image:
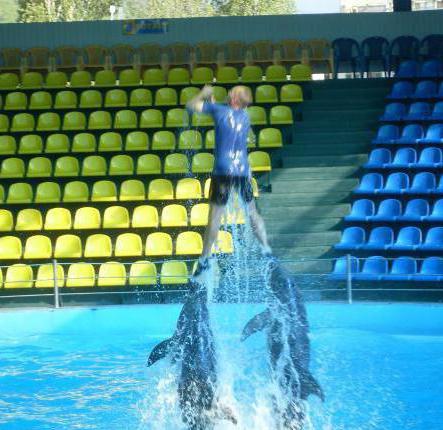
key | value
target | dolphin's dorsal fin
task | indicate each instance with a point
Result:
(258, 323)
(311, 386)
(160, 351)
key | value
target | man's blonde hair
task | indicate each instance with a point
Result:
(240, 95)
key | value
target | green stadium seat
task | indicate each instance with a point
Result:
(66, 166)
(74, 121)
(48, 192)
(210, 139)
(227, 75)
(2, 194)
(178, 76)
(188, 188)
(8, 81)
(116, 217)
(280, 115)
(105, 78)
(151, 118)
(40, 100)
(94, 165)
(291, 93)
(174, 216)
(68, 246)
(81, 79)
(125, 119)
(202, 75)
(111, 274)
(163, 140)
(251, 74)
(301, 73)
(116, 98)
(145, 216)
(160, 189)
(100, 120)
(276, 73)
(257, 115)
(8, 145)
(137, 141)
(270, 138)
(251, 139)
(174, 273)
(224, 243)
(189, 243)
(39, 167)
(158, 244)
(202, 163)
(32, 80)
(166, 97)
(76, 191)
(37, 247)
(104, 191)
(154, 78)
(58, 219)
(19, 193)
(45, 276)
(140, 97)
(6, 220)
(66, 100)
(110, 141)
(80, 275)
(16, 101)
(22, 122)
(132, 189)
(142, 273)
(84, 142)
(19, 276)
(57, 143)
(98, 245)
(190, 139)
(28, 220)
(266, 94)
(128, 245)
(176, 163)
(149, 164)
(48, 121)
(177, 117)
(12, 168)
(56, 80)
(199, 215)
(121, 165)
(87, 218)
(30, 144)
(259, 161)
(220, 94)
(129, 78)
(91, 99)
(4, 123)
(187, 94)
(202, 120)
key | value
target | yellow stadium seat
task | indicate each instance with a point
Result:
(160, 189)
(224, 243)
(154, 77)
(58, 219)
(80, 275)
(143, 273)
(281, 115)
(291, 93)
(125, 119)
(57, 143)
(220, 94)
(81, 79)
(116, 98)
(91, 99)
(121, 165)
(46, 275)
(84, 142)
(207, 188)
(22, 122)
(6, 220)
(276, 73)
(210, 139)
(10, 248)
(202, 162)
(94, 165)
(128, 245)
(187, 94)
(110, 141)
(190, 139)
(12, 168)
(100, 120)
(19, 276)
(254, 187)
(148, 164)
(166, 97)
(151, 118)
(257, 115)
(266, 94)
(28, 220)
(16, 101)
(137, 141)
(145, 217)
(111, 274)
(40, 100)
(66, 166)
(2, 194)
(174, 273)
(301, 73)
(87, 218)
(74, 121)
(227, 75)
(199, 214)
(39, 167)
(132, 189)
(19, 193)
(178, 76)
(259, 161)
(129, 78)
(68, 246)
(8, 145)
(158, 244)
(98, 245)
(104, 191)
(8, 81)
(105, 78)
(56, 80)
(270, 138)
(202, 120)
(48, 192)
(163, 141)
(177, 117)
(37, 247)
(174, 216)
(76, 191)
(116, 217)
(251, 74)
(65, 100)
(188, 188)
(202, 75)
(176, 163)
(234, 215)
(30, 144)
(189, 243)
(140, 97)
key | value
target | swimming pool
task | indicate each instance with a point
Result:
(380, 366)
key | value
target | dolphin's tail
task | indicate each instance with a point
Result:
(311, 386)
(160, 351)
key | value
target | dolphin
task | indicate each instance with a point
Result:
(286, 325)
(192, 347)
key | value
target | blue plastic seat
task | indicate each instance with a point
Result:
(374, 269)
(340, 271)
(440, 91)
(430, 157)
(361, 210)
(370, 183)
(433, 240)
(439, 189)
(404, 158)
(352, 238)
(403, 48)
(408, 69)
(403, 269)
(387, 134)
(374, 50)
(431, 270)
(437, 112)
(388, 210)
(416, 210)
(396, 183)
(423, 183)
(378, 158)
(437, 211)
(425, 90)
(410, 134)
(432, 46)
(430, 69)
(346, 50)
(401, 90)
(418, 111)
(380, 238)
(408, 239)
(434, 135)
(394, 112)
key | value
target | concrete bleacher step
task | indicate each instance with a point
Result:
(304, 198)
(348, 113)
(304, 239)
(313, 225)
(316, 186)
(306, 213)
(291, 174)
(322, 149)
(350, 160)
(303, 136)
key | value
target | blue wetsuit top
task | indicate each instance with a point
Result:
(231, 135)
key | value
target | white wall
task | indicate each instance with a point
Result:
(318, 6)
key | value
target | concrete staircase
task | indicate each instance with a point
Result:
(311, 191)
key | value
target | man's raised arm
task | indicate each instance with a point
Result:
(196, 104)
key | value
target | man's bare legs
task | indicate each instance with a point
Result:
(258, 226)
(211, 231)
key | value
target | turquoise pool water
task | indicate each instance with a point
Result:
(380, 366)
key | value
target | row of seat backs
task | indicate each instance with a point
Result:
(377, 268)
(134, 141)
(426, 89)
(418, 210)
(100, 245)
(409, 134)
(417, 111)
(112, 217)
(413, 69)
(382, 158)
(106, 191)
(110, 274)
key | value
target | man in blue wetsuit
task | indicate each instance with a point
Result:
(231, 167)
